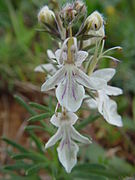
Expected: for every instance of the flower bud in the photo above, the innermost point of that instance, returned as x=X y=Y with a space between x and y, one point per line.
x=80 y=7
x=94 y=21
x=68 y=13
x=99 y=34
x=46 y=15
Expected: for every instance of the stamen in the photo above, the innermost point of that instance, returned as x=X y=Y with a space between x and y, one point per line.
x=113 y=48
x=57 y=106
x=110 y=57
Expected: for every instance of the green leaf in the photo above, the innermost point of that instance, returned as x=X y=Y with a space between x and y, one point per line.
x=34 y=127
x=39 y=117
x=85 y=175
x=48 y=128
x=24 y=104
x=120 y=166
x=115 y=165
x=86 y=121
x=31 y=177
x=96 y=169
x=14 y=144
x=18 y=166
x=33 y=156
x=35 y=168
x=37 y=142
x=88 y=166
x=39 y=106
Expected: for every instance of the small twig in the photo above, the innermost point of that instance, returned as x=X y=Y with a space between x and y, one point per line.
x=27 y=87
x=21 y=131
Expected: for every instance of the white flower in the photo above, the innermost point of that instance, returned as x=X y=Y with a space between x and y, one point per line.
x=106 y=106
x=46 y=15
x=70 y=79
x=67 y=149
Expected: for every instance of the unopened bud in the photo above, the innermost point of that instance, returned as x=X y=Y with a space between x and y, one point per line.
x=68 y=13
x=46 y=15
x=94 y=21
x=99 y=34
x=80 y=7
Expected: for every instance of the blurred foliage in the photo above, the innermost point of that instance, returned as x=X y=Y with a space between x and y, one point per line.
x=22 y=48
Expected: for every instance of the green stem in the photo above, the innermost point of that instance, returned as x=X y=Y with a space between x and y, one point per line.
x=94 y=61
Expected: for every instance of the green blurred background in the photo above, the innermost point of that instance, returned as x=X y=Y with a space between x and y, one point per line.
x=22 y=48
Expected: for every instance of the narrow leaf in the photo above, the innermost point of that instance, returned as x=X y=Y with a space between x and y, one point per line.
x=96 y=169
x=35 y=168
x=88 y=166
x=47 y=128
x=14 y=144
x=37 y=142
x=17 y=166
x=39 y=117
x=24 y=104
x=32 y=156
x=87 y=121
x=34 y=127
x=39 y=106
x=32 y=177
x=89 y=176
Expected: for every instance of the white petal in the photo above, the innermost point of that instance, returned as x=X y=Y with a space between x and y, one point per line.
x=54 y=80
x=56 y=137
x=75 y=135
x=72 y=117
x=97 y=83
x=55 y=120
x=105 y=74
x=61 y=56
x=70 y=94
x=92 y=103
x=89 y=82
x=110 y=113
x=110 y=90
x=108 y=108
x=100 y=100
x=45 y=67
x=80 y=57
x=51 y=55
x=67 y=153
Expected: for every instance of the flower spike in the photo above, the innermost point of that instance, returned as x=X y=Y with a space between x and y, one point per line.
x=73 y=71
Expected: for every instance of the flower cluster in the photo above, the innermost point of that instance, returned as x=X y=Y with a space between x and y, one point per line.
x=73 y=72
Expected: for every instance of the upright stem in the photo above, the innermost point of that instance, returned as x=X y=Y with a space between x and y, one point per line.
x=94 y=60
x=70 y=43
x=70 y=31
